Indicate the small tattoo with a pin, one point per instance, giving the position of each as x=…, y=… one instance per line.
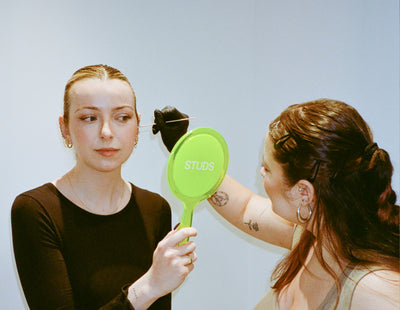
x=252, y=225
x=220, y=198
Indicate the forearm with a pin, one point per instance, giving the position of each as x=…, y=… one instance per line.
x=231, y=200
x=251, y=213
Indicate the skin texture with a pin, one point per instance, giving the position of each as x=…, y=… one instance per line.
x=103, y=129
x=285, y=199
x=102, y=117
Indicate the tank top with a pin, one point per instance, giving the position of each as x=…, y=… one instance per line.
x=349, y=279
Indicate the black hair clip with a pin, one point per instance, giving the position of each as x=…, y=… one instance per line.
x=281, y=141
x=314, y=170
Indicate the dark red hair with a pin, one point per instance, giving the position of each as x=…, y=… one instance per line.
x=328, y=143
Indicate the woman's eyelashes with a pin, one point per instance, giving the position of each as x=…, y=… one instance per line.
x=122, y=118
x=88, y=118
x=264, y=169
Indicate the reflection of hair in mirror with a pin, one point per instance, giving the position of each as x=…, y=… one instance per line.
x=352, y=181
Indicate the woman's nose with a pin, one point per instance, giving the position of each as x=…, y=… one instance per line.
x=106, y=131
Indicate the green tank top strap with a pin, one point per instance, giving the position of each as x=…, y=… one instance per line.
x=349, y=279
x=297, y=231
x=351, y=282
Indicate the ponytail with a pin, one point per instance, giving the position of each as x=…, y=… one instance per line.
x=382, y=171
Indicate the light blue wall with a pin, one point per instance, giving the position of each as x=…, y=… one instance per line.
x=233, y=64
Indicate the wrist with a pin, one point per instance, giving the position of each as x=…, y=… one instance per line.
x=141, y=294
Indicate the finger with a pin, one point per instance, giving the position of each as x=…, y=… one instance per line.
x=188, y=260
x=177, y=236
x=158, y=120
x=168, y=109
x=172, y=113
x=193, y=256
x=186, y=248
x=190, y=267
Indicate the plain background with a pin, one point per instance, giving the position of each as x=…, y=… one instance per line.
x=233, y=64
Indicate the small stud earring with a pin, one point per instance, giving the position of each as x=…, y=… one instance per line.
x=68, y=144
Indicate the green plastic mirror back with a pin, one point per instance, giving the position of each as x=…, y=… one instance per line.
x=196, y=168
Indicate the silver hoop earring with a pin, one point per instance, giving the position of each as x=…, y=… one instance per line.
x=302, y=219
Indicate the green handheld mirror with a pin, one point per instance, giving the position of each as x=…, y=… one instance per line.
x=196, y=168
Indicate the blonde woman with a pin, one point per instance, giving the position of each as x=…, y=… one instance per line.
x=90, y=239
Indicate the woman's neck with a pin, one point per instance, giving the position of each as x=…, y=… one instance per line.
x=97, y=192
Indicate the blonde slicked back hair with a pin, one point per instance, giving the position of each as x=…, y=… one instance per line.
x=101, y=72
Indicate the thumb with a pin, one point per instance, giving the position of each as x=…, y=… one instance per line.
x=158, y=120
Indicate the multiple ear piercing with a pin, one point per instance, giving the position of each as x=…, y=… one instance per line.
x=300, y=218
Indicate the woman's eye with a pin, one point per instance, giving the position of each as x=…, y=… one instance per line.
x=124, y=118
x=264, y=169
x=89, y=118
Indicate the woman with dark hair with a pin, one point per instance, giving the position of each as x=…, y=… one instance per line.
x=330, y=202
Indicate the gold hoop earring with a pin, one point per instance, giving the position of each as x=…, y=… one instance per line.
x=302, y=219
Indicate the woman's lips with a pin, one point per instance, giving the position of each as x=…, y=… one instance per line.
x=107, y=152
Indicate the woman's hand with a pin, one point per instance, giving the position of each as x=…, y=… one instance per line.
x=170, y=132
x=171, y=264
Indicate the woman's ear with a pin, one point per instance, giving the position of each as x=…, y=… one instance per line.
x=304, y=191
x=64, y=129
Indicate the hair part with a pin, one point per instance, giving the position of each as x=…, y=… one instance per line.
x=101, y=72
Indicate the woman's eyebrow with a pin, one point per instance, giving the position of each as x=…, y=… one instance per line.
x=97, y=109
x=123, y=107
x=86, y=108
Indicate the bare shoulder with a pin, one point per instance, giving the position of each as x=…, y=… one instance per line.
x=377, y=290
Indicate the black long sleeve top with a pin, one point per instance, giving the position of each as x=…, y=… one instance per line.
x=68, y=258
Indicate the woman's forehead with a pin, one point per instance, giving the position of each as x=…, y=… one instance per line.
x=94, y=85
x=95, y=90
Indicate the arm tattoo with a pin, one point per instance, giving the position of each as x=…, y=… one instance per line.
x=252, y=225
x=219, y=199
